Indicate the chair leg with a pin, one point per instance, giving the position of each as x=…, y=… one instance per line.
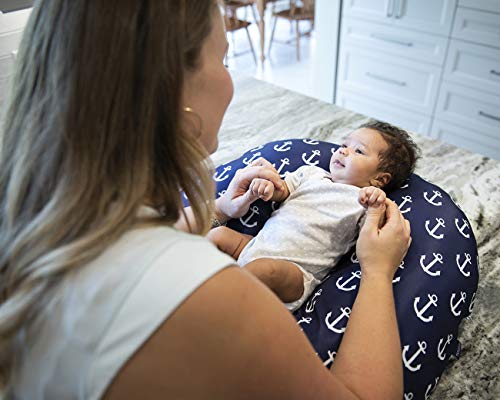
x=298, y=40
x=254, y=14
x=272, y=34
x=251, y=46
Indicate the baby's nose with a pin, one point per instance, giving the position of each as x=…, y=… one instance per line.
x=344, y=150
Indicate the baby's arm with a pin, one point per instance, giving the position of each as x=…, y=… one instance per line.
x=228, y=240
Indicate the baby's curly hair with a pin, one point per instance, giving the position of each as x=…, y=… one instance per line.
x=401, y=155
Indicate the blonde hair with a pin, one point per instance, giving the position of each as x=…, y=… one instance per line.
x=93, y=129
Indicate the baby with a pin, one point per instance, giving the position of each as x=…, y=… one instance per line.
x=322, y=212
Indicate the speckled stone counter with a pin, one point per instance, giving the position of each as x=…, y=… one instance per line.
x=261, y=112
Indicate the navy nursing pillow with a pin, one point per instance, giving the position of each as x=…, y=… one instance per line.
x=434, y=287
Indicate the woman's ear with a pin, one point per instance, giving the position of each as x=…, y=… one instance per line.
x=381, y=180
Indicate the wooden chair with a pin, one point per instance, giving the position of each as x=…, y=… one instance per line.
x=297, y=13
x=233, y=23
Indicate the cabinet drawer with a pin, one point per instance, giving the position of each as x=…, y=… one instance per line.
x=466, y=138
x=9, y=42
x=375, y=10
x=473, y=65
x=373, y=108
x=403, y=43
x=486, y=5
x=389, y=78
x=14, y=21
x=477, y=26
x=469, y=107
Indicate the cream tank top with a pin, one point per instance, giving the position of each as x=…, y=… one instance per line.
x=104, y=311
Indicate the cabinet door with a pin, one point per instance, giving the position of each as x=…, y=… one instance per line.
x=434, y=16
x=477, y=26
x=486, y=5
x=375, y=10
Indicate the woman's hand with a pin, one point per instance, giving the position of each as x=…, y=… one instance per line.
x=381, y=250
x=238, y=197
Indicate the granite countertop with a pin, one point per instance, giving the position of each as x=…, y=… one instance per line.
x=261, y=112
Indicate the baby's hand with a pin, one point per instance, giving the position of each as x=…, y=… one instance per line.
x=371, y=197
x=262, y=189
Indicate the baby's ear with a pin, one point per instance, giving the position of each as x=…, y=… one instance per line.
x=382, y=179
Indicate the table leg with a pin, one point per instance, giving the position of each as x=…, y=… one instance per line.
x=261, y=7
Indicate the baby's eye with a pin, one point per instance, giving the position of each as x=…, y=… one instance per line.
x=343, y=146
x=359, y=151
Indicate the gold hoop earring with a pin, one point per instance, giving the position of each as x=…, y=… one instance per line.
x=197, y=126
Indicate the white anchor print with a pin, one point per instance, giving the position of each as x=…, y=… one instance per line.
x=256, y=148
x=273, y=205
x=408, y=362
x=441, y=349
x=306, y=320
x=405, y=186
x=398, y=279
x=285, y=146
x=223, y=175
x=344, y=312
x=309, y=161
x=310, y=141
x=284, y=161
x=462, y=228
x=454, y=306
x=430, y=389
x=330, y=359
x=472, y=300
x=354, y=258
x=440, y=223
x=221, y=193
x=438, y=258
x=247, y=161
x=406, y=199
x=420, y=313
x=254, y=211
x=312, y=302
x=402, y=264
x=437, y=193
x=408, y=396
x=461, y=266
x=355, y=274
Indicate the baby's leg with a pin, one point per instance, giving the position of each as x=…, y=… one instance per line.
x=281, y=276
x=228, y=240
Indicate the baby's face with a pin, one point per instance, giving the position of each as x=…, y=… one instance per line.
x=356, y=161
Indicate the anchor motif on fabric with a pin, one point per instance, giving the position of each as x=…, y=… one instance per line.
x=438, y=258
x=442, y=347
x=405, y=186
x=254, y=211
x=440, y=223
x=354, y=274
x=222, y=176
x=310, y=141
x=437, y=193
x=256, y=148
x=420, y=313
x=283, y=147
x=273, y=205
x=396, y=280
x=284, y=161
x=354, y=258
x=462, y=228
x=221, y=193
x=344, y=312
x=408, y=362
x=406, y=199
x=312, y=302
x=402, y=264
x=330, y=359
x=408, y=396
x=306, y=320
x=247, y=161
x=430, y=389
x=472, y=300
x=309, y=161
x=454, y=306
x=461, y=266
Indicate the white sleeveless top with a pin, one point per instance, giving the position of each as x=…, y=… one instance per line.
x=107, y=309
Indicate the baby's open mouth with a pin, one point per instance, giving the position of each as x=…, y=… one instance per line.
x=338, y=163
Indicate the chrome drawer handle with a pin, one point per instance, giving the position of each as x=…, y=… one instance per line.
x=391, y=40
x=384, y=79
x=389, y=8
x=486, y=115
x=497, y=73
x=399, y=12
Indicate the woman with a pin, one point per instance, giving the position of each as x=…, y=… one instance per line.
x=114, y=109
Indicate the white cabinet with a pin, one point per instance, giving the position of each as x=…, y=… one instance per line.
x=434, y=16
x=477, y=26
x=486, y=5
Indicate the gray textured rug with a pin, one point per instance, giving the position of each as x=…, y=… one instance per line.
x=261, y=112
